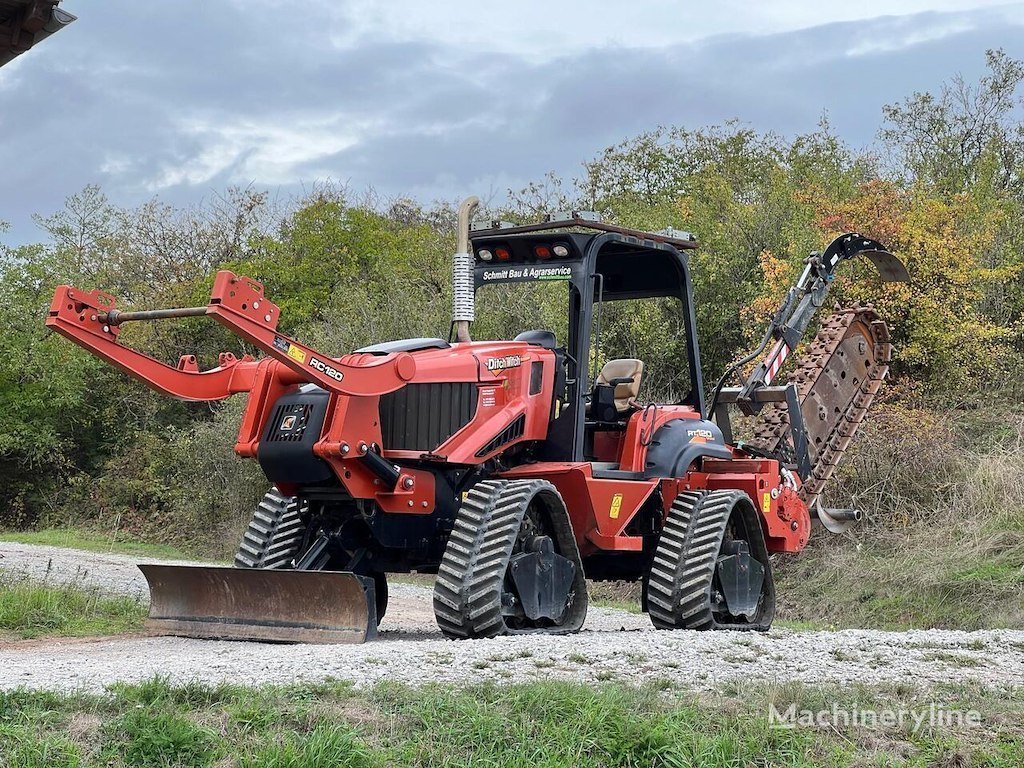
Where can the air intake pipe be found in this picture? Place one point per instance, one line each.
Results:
(463, 298)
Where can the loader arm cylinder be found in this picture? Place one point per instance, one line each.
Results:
(114, 317)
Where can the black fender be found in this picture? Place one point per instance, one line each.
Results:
(680, 442)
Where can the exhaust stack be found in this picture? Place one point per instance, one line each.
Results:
(463, 299)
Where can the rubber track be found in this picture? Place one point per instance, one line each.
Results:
(683, 569)
(662, 587)
(772, 424)
(467, 592)
(274, 534)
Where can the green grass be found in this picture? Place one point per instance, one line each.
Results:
(954, 659)
(532, 725)
(621, 595)
(993, 572)
(92, 541)
(32, 609)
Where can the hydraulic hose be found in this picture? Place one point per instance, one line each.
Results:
(732, 369)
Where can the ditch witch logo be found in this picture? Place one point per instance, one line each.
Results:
(837, 716)
(501, 363)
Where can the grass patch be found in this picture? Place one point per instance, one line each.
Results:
(144, 737)
(326, 746)
(954, 659)
(993, 572)
(91, 541)
(30, 609)
(621, 595)
(530, 725)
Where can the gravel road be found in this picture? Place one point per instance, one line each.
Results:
(615, 645)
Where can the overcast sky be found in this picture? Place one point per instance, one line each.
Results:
(439, 100)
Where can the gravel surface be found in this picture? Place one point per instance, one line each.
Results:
(109, 572)
(615, 645)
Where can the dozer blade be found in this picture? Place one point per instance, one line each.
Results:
(837, 378)
(281, 606)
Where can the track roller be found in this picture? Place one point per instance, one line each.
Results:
(511, 565)
(710, 568)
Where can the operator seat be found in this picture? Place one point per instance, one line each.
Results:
(616, 390)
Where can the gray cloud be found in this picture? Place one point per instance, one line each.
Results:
(183, 99)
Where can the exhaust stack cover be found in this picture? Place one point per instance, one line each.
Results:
(463, 299)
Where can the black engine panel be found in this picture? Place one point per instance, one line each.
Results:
(286, 446)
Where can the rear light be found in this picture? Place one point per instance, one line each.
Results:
(502, 254)
(542, 252)
(561, 251)
(484, 254)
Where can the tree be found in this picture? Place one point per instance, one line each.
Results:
(742, 193)
(946, 140)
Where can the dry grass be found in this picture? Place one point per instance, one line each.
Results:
(943, 539)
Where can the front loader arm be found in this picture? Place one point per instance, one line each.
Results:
(89, 319)
(84, 318)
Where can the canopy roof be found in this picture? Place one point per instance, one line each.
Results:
(24, 23)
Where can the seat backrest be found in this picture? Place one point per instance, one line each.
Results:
(624, 368)
(541, 338)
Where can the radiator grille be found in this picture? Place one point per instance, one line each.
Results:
(420, 417)
(289, 423)
(512, 432)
